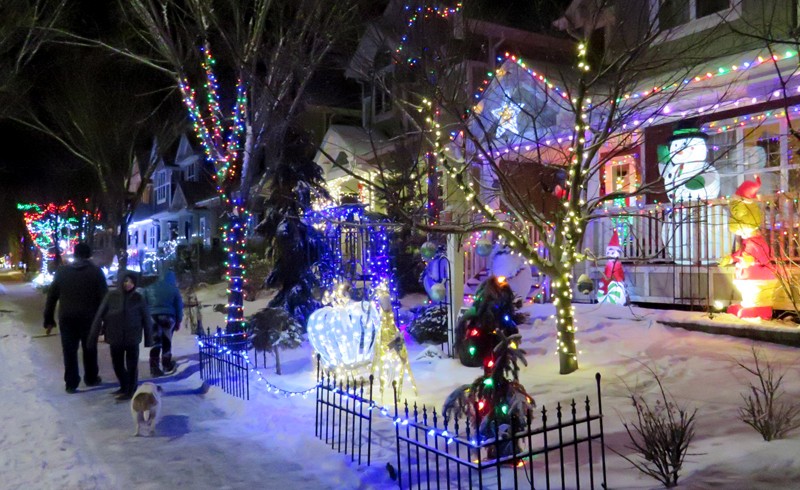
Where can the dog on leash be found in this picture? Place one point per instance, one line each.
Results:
(146, 408)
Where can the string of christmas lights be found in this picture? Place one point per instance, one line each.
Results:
(221, 145)
(372, 407)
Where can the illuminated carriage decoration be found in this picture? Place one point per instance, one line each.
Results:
(357, 254)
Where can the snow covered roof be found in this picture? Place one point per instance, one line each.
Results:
(349, 146)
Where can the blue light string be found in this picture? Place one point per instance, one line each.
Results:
(382, 410)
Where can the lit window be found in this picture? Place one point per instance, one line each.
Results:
(621, 174)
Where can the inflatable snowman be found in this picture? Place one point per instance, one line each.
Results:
(754, 276)
(688, 178)
(612, 286)
(514, 268)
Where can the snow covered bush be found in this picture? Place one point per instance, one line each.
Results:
(660, 435)
(765, 409)
(430, 324)
(272, 329)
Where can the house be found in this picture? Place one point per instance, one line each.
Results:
(179, 207)
(741, 99)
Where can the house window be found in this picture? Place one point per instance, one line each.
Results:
(763, 148)
(678, 18)
(155, 236)
(203, 228)
(621, 174)
(162, 187)
(381, 94)
(674, 13)
(190, 173)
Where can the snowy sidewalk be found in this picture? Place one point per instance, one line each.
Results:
(205, 440)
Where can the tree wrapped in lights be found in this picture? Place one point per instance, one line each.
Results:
(221, 138)
(498, 143)
(492, 316)
(272, 49)
(54, 229)
(496, 402)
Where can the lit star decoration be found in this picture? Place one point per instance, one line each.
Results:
(221, 139)
(507, 118)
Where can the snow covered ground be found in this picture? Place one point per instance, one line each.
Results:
(208, 439)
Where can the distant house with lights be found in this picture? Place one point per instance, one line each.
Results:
(179, 207)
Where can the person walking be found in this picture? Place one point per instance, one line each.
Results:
(78, 288)
(125, 318)
(166, 307)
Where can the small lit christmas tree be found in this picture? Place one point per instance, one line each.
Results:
(495, 403)
(494, 312)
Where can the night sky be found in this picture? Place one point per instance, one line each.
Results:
(35, 168)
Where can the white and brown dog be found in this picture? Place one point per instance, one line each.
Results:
(146, 408)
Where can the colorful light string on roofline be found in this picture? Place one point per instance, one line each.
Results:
(423, 13)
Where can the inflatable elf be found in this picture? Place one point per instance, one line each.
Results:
(612, 287)
(754, 276)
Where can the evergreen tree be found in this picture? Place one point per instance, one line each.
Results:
(495, 403)
(493, 313)
(293, 245)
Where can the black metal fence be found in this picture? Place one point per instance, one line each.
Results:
(344, 415)
(223, 362)
(568, 452)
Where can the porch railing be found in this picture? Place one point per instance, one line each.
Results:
(688, 233)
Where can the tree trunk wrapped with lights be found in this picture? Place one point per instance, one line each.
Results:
(221, 139)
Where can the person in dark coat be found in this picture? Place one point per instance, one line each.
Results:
(125, 318)
(78, 288)
(166, 307)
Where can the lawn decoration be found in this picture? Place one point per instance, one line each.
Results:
(390, 362)
(514, 269)
(483, 247)
(496, 401)
(754, 275)
(428, 250)
(435, 277)
(344, 332)
(493, 312)
(687, 178)
(612, 287)
(585, 284)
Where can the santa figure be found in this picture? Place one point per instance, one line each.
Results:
(612, 287)
(754, 274)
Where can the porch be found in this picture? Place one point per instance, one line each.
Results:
(670, 253)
